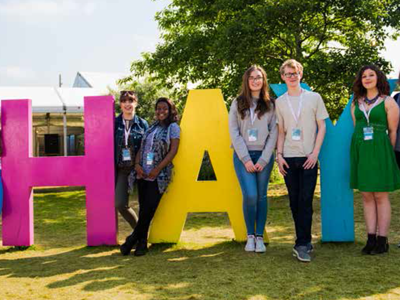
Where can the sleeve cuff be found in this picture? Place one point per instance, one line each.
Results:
(245, 159)
(262, 162)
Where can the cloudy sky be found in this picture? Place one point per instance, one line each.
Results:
(43, 38)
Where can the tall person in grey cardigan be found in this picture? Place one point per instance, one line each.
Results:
(253, 131)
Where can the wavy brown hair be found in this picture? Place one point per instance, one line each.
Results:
(172, 112)
(264, 103)
(382, 84)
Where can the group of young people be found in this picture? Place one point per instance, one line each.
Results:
(294, 125)
(289, 130)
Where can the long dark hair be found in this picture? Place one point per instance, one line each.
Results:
(244, 99)
(382, 84)
(172, 112)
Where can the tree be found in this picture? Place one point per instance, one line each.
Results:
(212, 42)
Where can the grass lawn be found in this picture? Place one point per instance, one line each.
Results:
(206, 264)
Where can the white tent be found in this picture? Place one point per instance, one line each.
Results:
(49, 99)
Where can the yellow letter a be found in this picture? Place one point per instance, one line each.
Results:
(204, 127)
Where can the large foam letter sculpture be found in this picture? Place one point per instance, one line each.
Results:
(95, 171)
(1, 193)
(337, 213)
(204, 128)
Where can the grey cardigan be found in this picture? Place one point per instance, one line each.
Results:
(267, 134)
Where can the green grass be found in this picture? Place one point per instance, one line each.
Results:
(205, 264)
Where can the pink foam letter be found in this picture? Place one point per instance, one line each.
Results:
(95, 171)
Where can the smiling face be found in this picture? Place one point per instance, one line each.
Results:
(369, 79)
(128, 104)
(162, 111)
(256, 81)
(291, 77)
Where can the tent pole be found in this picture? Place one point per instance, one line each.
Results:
(65, 130)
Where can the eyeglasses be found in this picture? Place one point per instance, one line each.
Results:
(258, 78)
(290, 75)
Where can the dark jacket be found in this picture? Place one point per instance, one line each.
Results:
(135, 137)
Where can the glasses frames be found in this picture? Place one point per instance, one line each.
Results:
(290, 75)
(255, 79)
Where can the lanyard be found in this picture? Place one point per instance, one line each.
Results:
(252, 113)
(366, 114)
(127, 132)
(295, 116)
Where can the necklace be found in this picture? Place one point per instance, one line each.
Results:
(371, 101)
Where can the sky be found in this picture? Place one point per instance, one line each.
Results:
(41, 39)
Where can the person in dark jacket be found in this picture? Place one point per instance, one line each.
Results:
(128, 132)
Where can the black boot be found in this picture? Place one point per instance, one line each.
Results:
(382, 245)
(371, 243)
(130, 241)
(141, 247)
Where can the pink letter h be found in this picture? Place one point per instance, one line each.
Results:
(95, 171)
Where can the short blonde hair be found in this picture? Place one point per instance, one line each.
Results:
(291, 63)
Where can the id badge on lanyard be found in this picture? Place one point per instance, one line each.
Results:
(150, 158)
(252, 132)
(126, 154)
(368, 133)
(296, 132)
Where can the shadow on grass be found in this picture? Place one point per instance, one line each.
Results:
(222, 271)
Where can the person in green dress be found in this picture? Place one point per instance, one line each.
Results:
(373, 168)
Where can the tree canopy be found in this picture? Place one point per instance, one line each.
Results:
(212, 42)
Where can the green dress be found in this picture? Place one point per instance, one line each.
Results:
(373, 166)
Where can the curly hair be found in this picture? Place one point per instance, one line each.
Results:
(172, 112)
(382, 84)
(244, 99)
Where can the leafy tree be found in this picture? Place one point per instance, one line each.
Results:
(212, 42)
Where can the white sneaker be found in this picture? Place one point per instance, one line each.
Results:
(260, 247)
(250, 245)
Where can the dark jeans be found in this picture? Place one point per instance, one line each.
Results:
(122, 198)
(149, 198)
(301, 185)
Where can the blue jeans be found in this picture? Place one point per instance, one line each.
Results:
(254, 190)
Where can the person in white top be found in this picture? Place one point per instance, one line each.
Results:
(299, 114)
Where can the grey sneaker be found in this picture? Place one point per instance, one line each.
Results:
(300, 252)
(260, 247)
(310, 248)
(250, 245)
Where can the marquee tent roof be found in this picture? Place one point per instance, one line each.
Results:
(49, 99)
